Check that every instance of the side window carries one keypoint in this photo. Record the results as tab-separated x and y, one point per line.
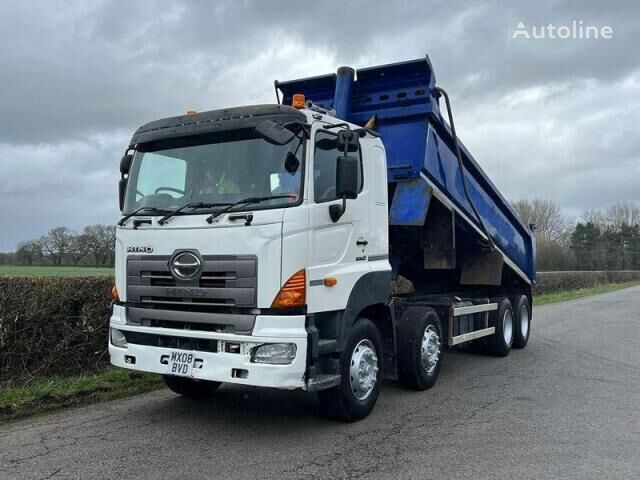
324	167
157	171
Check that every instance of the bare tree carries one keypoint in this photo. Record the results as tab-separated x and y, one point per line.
7	258
57	244
622	213
77	249
595	216
99	241
551	224
29	252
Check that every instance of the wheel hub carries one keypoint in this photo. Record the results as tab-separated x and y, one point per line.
524	321
507	326
363	372
430	349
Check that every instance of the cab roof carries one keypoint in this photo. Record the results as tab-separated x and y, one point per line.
214	121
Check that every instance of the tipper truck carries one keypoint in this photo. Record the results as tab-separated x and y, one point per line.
335	238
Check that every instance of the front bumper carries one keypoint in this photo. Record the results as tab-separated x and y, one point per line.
222	366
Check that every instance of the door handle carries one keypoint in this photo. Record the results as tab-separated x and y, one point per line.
362	243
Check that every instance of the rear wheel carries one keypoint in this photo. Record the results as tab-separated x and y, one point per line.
522	321
361	372
189	387
419	348
500	342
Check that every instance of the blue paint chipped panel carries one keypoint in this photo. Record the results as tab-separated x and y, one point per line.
410	203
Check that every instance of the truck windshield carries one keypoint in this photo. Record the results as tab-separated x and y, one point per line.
220	171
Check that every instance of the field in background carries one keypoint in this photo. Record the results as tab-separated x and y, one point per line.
17	270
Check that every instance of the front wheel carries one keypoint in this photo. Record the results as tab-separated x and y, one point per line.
361	375
189	387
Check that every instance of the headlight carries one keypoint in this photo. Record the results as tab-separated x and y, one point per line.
274	353
118	339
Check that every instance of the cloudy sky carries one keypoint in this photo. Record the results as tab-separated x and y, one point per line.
545	117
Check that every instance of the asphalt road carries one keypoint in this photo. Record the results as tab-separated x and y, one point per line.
567	406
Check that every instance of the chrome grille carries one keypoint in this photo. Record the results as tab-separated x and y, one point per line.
226	281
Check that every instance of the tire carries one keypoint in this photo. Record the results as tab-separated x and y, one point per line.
188	387
521	321
351	401
419	348
499	344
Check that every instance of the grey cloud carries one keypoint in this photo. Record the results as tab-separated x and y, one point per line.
78	77
105	67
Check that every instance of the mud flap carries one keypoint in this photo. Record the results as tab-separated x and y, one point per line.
483	269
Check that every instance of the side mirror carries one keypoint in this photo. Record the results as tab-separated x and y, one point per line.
125	163
122	188
274	133
291	163
348	141
347	169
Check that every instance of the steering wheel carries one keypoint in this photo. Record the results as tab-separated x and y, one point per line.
169	189
328	193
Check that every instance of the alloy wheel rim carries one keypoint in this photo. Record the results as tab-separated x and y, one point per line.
363	371
507	327
524	321
430	350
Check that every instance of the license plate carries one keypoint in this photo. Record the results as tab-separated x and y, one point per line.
181	363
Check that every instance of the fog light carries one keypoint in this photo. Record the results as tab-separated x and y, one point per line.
118	339
274	353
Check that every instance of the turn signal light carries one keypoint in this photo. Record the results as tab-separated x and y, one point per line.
191	113
298	100
293	292
330	281
114	294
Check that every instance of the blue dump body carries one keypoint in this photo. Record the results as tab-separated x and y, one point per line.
419	145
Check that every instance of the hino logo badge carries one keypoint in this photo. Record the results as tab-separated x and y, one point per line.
185	266
139	249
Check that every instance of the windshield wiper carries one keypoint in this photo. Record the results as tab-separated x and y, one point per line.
164	219
124	219
245	201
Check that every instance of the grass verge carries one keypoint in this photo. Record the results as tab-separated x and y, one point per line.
583	292
53	393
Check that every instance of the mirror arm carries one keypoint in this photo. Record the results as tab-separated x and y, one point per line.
329	126
336	211
306	128
362	132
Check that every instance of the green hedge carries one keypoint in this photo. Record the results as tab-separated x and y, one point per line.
53	325
550	282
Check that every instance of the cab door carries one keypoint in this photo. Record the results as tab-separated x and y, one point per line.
337	249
